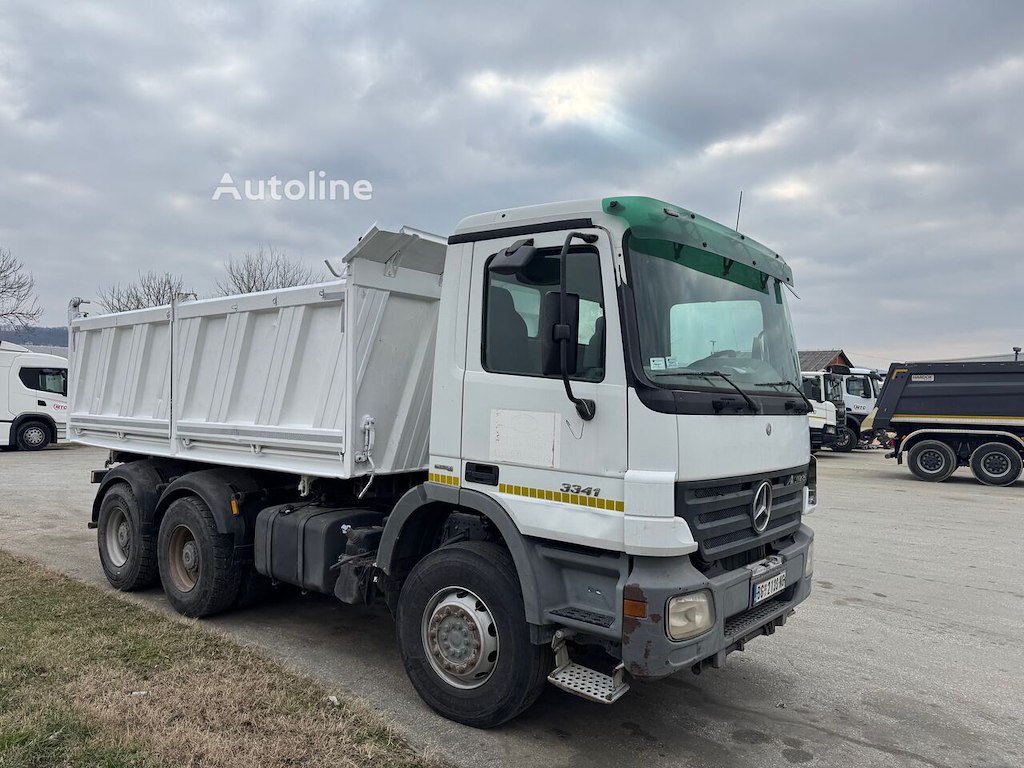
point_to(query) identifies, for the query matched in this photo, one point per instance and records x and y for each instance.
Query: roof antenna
(738, 209)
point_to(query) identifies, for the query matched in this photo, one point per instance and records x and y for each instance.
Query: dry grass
(87, 679)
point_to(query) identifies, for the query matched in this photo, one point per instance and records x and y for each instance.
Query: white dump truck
(565, 428)
(33, 398)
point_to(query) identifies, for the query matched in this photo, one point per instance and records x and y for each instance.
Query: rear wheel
(127, 555)
(33, 436)
(846, 440)
(197, 563)
(931, 460)
(996, 464)
(464, 639)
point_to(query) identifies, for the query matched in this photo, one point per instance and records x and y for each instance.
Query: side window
(812, 389)
(51, 380)
(511, 337)
(857, 386)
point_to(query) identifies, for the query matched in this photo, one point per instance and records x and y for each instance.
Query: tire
(197, 562)
(931, 460)
(996, 464)
(127, 555)
(476, 584)
(846, 440)
(33, 436)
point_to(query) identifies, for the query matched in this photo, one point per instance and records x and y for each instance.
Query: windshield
(698, 312)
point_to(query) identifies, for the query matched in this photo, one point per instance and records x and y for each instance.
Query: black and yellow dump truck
(950, 415)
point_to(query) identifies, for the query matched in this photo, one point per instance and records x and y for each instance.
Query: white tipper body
(345, 379)
(328, 380)
(17, 399)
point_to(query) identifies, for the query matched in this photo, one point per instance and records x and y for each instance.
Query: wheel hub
(996, 464)
(184, 559)
(460, 638)
(932, 461)
(123, 535)
(189, 556)
(34, 436)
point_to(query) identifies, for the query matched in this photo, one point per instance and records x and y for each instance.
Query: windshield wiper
(810, 405)
(708, 374)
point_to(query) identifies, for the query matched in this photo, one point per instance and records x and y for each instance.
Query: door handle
(487, 474)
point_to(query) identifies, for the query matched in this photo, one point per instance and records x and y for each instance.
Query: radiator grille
(718, 514)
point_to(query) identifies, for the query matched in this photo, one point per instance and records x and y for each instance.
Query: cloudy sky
(879, 145)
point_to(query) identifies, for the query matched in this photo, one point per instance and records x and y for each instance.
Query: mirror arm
(586, 408)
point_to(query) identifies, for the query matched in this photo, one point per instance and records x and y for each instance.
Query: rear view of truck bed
(330, 380)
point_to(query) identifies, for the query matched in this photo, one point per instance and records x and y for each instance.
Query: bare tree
(18, 304)
(263, 270)
(152, 289)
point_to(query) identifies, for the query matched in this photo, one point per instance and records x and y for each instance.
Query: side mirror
(551, 331)
(513, 259)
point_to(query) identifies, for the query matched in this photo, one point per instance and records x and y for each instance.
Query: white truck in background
(33, 398)
(824, 391)
(860, 393)
(567, 426)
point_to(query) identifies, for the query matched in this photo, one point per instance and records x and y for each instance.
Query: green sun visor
(652, 219)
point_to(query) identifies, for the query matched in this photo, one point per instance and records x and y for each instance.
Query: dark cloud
(878, 145)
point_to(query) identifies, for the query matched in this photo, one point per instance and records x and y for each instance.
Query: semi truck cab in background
(568, 427)
(825, 391)
(33, 398)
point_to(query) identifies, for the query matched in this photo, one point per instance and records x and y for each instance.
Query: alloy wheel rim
(184, 559)
(995, 464)
(460, 637)
(932, 461)
(119, 538)
(34, 436)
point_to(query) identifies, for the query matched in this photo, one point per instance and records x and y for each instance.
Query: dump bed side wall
(987, 394)
(278, 380)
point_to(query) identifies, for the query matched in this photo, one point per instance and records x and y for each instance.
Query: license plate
(765, 589)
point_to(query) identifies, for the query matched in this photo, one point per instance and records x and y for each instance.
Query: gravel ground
(908, 651)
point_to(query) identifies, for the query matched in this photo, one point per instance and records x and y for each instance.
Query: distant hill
(56, 336)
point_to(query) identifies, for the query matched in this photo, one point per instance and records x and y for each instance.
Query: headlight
(830, 429)
(809, 560)
(690, 615)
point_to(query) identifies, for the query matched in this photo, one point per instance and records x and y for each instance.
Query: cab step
(583, 681)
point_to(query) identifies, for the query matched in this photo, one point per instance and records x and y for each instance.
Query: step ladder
(583, 681)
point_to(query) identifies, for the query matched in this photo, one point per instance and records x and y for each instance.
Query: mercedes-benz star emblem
(761, 509)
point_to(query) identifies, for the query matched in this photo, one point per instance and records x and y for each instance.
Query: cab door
(523, 441)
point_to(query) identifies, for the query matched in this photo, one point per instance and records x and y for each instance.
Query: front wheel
(996, 464)
(846, 440)
(464, 639)
(197, 564)
(931, 460)
(32, 436)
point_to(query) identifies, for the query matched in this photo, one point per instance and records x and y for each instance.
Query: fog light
(690, 615)
(809, 560)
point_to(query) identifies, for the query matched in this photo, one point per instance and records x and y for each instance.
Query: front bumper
(647, 651)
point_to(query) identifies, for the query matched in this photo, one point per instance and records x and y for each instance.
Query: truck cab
(860, 393)
(825, 391)
(33, 398)
(678, 411)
